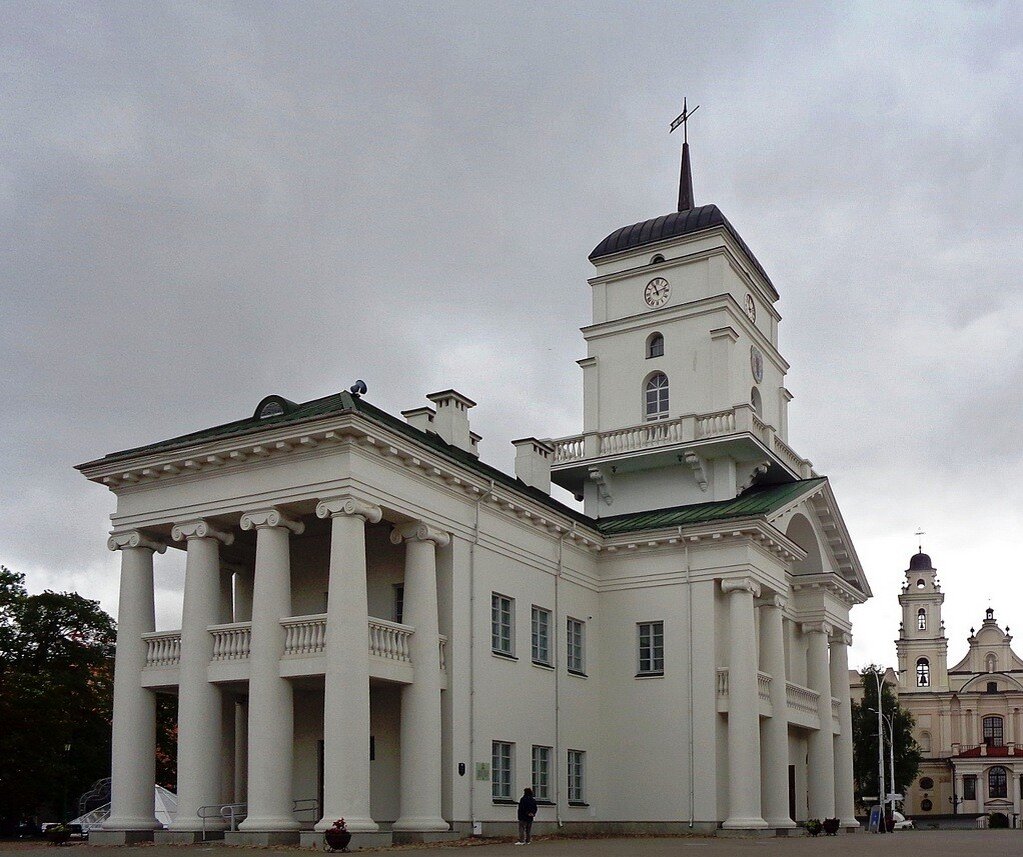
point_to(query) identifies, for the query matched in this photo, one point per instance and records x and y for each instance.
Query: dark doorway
(792, 792)
(319, 775)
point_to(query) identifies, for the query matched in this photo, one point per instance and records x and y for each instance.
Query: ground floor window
(542, 773)
(969, 788)
(501, 770)
(996, 782)
(576, 776)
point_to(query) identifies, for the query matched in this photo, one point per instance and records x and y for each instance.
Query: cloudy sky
(201, 204)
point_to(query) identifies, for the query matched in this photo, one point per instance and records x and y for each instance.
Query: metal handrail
(232, 813)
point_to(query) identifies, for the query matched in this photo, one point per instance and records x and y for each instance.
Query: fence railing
(163, 648)
(304, 635)
(801, 698)
(389, 640)
(231, 642)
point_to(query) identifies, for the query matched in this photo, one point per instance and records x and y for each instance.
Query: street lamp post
(879, 680)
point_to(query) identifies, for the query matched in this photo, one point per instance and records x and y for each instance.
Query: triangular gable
(819, 506)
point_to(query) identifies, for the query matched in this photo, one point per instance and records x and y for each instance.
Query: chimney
(420, 418)
(533, 463)
(451, 420)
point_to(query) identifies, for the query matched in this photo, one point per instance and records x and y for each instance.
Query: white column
(133, 763)
(743, 708)
(241, 751)
(774, 773)
(845, 801)
(420, 803)
(200, 708)
(346, 731)
(820, 766)
(271, 732)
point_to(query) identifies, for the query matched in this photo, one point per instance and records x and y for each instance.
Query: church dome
(920, 562)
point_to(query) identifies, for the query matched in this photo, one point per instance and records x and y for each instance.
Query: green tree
(56, 688)
(864, 723)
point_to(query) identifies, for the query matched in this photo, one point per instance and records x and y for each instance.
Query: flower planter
(831, 826)
(337, 840)
(58, 836)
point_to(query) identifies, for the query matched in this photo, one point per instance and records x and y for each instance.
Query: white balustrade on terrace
(801, 702)
(691, 427)
(231, 642)
(802, 698)
(163, 648)
(304, 638)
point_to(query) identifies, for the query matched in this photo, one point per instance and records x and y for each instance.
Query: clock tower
(683, 383)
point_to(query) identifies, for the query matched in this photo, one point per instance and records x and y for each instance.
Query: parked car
(901, 822)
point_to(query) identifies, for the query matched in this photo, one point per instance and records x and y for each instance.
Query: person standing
(527, 812)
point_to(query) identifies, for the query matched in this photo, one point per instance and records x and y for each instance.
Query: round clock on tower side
(657, 292)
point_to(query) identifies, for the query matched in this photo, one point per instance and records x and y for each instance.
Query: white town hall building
(379, 626)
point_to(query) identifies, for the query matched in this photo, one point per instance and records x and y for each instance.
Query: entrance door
(792, 792)
(319, 775)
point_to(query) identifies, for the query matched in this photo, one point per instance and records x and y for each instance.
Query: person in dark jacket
(527, 812)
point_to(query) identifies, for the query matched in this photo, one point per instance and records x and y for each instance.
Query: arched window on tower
(925, 743)
(997, 783)
(655, 405)
(654, 345)
(991, 662)
(921, 619)
(657, 259)
(923, 673)
(756, 402)
(993, 731)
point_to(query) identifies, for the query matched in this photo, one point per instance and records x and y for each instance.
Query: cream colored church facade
(377, 625)
(968, 717)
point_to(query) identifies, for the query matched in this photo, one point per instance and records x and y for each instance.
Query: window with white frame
(541, 636)
(576, 654)
(655, 345)
(541, 772)
(399, 601)
(923, 673)
(502, 624)
(655, 401)
(921, 619)
(501, 770)
(997, 782)
(576, 776)
(651, 648)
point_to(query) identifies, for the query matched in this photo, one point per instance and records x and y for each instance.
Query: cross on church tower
(920, 544)
(685, 182)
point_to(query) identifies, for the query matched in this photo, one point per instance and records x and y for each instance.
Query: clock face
(657, 292)
(756, 362)
(751, 308)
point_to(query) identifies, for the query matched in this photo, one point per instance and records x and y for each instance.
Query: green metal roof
(756, 501)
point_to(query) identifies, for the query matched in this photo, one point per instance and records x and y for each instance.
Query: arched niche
(801, 532)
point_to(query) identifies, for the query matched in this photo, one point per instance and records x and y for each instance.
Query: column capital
(772, 600)
(258, 519)
(740, 584)
(200, 529)
(134, 539)
(419, 531)
(841, 638)
(334, 507)
(816, 628)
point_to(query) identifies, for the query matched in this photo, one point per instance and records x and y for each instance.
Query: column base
(263, 837)
(120, 837)
(379, 839)
(752, 823)
(420, 837)
(186, 837)
(142, 823)
(354, 824)
(268, 824)
(852, 824)
(745, 832)
(780, 823)
(420, 823)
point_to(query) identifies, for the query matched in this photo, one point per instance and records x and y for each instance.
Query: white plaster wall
(798, 750)
(385, 769)
(308, 733)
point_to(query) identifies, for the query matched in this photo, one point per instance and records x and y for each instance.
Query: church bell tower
(922, 646)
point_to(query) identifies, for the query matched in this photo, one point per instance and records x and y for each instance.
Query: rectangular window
(541, 636)
(399, 601)
(502, 616)
(576, 646)
(969, 788)
(542, 773)
(501, 770)
(576, 776)
(651, 648)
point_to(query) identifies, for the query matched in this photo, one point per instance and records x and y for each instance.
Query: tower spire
(685, 181)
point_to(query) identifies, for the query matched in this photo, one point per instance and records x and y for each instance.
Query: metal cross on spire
(683, 120)
(685, 182)
(919, 534)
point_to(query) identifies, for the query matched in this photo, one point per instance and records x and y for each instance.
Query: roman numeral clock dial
(657, 292)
